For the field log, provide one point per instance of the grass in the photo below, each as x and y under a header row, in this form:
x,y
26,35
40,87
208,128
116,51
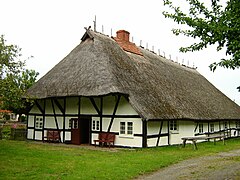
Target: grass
x,y
21,160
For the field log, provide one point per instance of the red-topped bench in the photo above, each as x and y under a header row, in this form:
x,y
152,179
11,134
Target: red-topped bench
x,y
53,136
105,138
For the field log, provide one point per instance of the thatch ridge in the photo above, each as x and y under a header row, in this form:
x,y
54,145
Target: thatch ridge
x,y
157,88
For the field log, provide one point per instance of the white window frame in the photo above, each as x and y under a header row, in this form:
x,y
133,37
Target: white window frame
x,y
200,128
39,123
174,126
122,128
129,128
96,125
126,128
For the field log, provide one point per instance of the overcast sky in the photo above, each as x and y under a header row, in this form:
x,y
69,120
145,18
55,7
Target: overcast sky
x,y
50,29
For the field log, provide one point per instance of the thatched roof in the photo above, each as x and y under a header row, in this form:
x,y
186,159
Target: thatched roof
x,y
157,88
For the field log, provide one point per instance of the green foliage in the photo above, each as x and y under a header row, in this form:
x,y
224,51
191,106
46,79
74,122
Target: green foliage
x,y
49,161
6,132
13,87
9,58
15,80
214,25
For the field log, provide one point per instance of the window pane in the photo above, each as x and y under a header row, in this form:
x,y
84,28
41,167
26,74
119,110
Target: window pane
x,y
93,125
122,127
75,124
130,128
39,123
97,128
173,125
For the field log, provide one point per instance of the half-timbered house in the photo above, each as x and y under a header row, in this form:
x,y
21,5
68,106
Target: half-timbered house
x,y
108,84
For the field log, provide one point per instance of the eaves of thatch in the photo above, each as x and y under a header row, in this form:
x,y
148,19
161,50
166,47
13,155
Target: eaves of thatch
x,y
157,88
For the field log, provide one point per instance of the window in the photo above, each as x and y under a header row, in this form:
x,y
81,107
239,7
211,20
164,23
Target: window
x,y
130,128
126,128
211,127
122,127
95,125
39,123
200,128
173,125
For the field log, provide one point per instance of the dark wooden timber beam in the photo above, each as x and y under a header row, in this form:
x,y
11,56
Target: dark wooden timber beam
x,y
144,133
79,107
64,118
95,106
59,106
101,112
159,134
114,112
208,128
44,111
39,106
168,133
34,127
196,127
55,118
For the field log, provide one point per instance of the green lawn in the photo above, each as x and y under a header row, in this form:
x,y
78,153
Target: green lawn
x,y
27,160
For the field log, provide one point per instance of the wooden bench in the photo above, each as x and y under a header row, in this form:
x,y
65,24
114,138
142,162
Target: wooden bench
x,y
53,136
195,139
105,138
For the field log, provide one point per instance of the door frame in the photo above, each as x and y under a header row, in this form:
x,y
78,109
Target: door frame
x,y
81,130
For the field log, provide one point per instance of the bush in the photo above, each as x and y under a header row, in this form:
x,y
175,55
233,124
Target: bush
x,y
14,131
6,132
18,134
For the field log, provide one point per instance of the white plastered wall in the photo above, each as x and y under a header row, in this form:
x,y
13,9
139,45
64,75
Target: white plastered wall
x,y
86,108
124,108
153,128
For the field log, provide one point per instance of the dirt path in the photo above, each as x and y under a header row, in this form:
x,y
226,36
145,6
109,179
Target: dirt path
x,y
222,166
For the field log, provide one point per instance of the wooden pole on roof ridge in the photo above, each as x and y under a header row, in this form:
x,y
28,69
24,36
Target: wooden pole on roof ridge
x,y
95,23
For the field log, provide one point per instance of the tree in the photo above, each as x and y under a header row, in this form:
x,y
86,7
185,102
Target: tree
x,y
210,25
14,78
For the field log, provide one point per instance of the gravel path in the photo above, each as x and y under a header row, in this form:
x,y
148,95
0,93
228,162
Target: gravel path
x,y
222,166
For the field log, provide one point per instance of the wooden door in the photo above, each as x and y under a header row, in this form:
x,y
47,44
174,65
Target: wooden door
x,y
75,132
80,132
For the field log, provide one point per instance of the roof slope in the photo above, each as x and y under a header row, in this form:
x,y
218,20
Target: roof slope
x,y
157,88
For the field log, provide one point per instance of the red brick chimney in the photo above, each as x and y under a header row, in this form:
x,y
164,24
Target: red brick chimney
x,y
123,41
123,35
